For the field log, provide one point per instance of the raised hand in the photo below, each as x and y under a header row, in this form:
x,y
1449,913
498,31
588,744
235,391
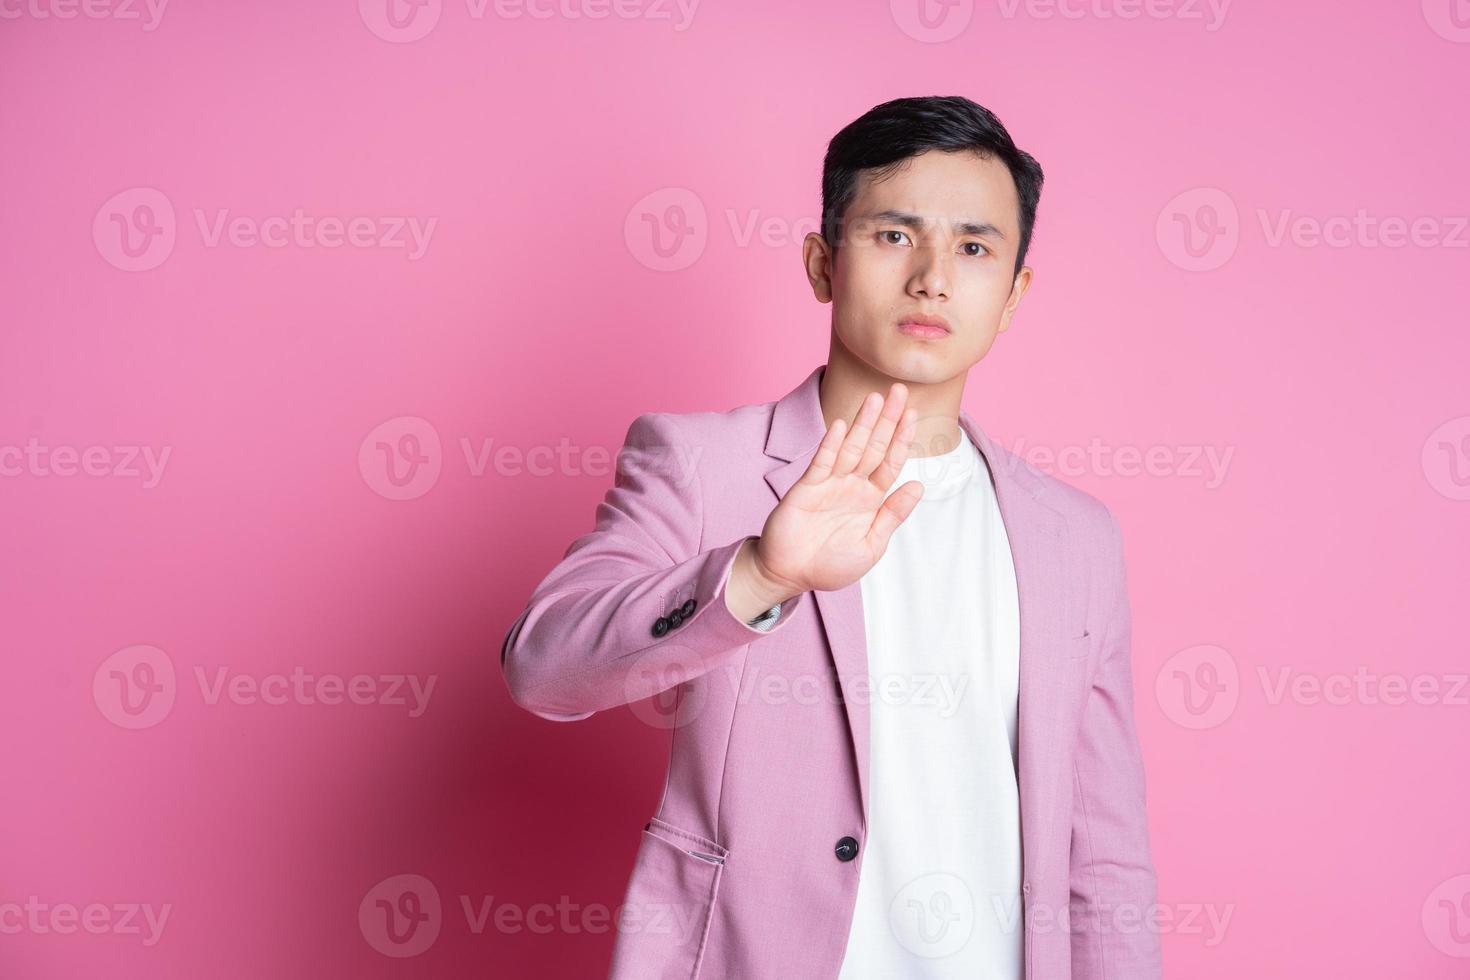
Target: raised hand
x,y
834,523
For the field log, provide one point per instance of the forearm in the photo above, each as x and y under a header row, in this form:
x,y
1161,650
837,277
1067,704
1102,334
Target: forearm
x,y
584,643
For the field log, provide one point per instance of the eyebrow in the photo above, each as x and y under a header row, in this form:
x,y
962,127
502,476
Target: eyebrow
x,y
905,218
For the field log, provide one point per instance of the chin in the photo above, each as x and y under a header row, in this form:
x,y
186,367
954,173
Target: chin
x,y
920,367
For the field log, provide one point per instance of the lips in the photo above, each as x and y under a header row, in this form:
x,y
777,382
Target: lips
x,y
923,320
924,326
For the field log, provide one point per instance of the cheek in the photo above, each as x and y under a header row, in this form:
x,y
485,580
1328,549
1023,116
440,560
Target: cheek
x,y
989,293
979,344
863,284
870,262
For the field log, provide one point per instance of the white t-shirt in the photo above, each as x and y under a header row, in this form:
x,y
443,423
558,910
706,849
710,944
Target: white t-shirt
x,y
940,889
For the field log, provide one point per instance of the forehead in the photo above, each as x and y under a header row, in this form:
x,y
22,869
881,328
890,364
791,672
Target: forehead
x,y
957,186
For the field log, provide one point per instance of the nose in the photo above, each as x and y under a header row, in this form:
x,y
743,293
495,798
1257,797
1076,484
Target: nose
x,y
931,278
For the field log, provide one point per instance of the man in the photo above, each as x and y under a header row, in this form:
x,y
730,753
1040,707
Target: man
x,y
903,740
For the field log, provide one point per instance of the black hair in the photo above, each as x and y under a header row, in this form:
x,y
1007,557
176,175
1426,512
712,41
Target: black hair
x,y
888,134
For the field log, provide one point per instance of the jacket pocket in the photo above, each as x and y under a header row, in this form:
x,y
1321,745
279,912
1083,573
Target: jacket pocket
x,y
665,919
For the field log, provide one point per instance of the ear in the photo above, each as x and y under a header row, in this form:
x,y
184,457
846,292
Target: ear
x,y
818,258
1018,289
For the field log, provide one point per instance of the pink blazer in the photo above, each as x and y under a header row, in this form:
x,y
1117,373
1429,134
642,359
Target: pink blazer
x,y
749,868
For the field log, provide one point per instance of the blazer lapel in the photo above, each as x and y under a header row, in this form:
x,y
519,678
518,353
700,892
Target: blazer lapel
x,y
797,427
1036,533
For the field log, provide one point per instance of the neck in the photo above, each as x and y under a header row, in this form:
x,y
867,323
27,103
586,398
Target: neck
x,y
846,381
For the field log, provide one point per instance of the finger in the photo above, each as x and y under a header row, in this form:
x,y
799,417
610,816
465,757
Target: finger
x,y
898,451
821,464
895,510
888,420
857,439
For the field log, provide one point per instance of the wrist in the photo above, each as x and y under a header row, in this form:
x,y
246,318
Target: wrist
x,y
767,587
749,591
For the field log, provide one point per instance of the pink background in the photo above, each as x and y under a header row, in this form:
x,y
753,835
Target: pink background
x,y
1332,835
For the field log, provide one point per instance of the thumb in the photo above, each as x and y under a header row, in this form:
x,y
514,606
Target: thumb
x,y
895,511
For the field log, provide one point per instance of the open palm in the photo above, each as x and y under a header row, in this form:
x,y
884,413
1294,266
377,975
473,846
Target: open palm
x,y
834,523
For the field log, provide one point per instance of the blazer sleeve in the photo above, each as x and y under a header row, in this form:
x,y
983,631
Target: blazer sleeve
x,y
1113,913
590,636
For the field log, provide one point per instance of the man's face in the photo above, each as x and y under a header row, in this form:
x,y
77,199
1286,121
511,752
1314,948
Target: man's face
x,y
937,237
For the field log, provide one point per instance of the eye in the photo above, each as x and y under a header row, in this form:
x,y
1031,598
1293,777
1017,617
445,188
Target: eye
x,y
885,234
982,250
